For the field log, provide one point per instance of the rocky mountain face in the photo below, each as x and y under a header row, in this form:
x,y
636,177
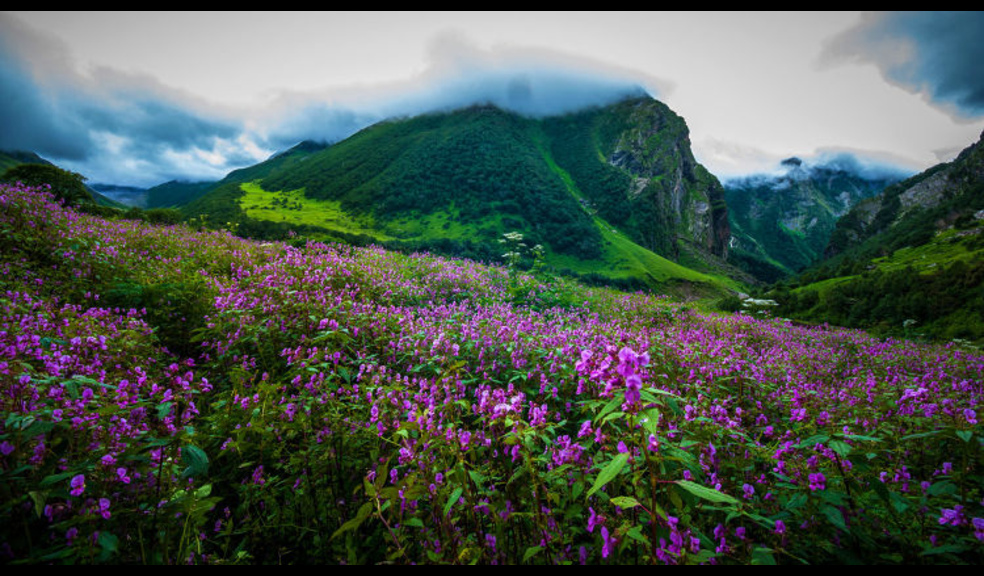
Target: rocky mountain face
x,y
912,210
656,151
651,188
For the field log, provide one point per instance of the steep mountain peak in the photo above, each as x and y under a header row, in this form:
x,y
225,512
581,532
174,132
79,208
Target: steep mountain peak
x,y
791,162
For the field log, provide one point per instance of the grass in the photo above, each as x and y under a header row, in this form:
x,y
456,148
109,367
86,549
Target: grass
x,y
947,247
294,207
622,258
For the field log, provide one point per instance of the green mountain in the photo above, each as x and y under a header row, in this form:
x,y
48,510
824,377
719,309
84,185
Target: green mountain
x,y
781,223
10,159
124,195
176,193
610,193
908,261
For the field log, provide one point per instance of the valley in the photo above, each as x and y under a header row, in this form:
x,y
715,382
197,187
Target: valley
x,y
479,338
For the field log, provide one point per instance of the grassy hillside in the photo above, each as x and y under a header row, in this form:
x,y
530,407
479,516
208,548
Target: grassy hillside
x,y
172,397
934,290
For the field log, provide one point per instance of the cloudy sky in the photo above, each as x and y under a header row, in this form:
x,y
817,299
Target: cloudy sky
x,y
142,98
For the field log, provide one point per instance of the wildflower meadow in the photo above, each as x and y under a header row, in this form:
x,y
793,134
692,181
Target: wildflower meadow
x,y
173,395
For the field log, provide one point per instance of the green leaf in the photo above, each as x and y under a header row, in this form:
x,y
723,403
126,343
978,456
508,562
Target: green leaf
x,y
763,557
609,472
624,502
944,549
612,405
650,420
354,523
109,544
38,498
706,493
813,441
452,499
835,517
55,478
636,534
196,461
843,449
531,552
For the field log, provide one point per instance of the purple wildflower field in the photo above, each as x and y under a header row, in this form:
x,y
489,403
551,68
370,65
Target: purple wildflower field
x,y
180,396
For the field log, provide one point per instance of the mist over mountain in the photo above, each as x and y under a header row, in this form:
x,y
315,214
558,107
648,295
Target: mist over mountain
x,y
907,261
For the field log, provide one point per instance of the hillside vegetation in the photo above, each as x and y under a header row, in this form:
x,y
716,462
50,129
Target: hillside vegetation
x,y
908,261
172,395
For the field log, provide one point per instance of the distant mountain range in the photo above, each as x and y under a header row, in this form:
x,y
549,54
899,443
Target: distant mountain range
x,y
781,223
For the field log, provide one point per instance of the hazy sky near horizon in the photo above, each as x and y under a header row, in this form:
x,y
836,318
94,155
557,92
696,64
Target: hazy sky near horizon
x,y
140,98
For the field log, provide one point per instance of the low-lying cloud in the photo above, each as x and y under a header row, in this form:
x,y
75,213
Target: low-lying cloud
x,y
533,83
128,129
936,54
822,164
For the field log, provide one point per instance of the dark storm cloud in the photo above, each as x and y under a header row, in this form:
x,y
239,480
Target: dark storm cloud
x,y
939,54
31,117
120,127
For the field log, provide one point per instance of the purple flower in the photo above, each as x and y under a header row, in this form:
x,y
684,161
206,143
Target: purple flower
x,y
6,448
593,519
78,485
978,524
653,443
953,517
258,476
104,508
970,415
817,481
780,527
749,491
585,429
608,542
582,365
633,385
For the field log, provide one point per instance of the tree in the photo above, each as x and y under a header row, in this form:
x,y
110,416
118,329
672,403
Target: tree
x,y
65,185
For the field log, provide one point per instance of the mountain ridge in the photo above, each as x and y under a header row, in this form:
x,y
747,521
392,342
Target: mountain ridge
x,y
585,185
